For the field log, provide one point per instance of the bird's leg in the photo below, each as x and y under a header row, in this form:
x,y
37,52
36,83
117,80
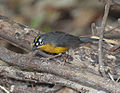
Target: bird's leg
x,y
52,57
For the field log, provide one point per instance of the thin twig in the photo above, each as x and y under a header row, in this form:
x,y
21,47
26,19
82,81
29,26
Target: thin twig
x,y
111,77
119,22
6,91
94,30
103,24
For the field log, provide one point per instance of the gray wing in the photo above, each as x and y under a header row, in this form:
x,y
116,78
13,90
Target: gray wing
x,y
61,39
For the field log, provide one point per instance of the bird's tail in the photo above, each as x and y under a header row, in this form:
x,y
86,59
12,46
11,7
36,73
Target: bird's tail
x,y
86,40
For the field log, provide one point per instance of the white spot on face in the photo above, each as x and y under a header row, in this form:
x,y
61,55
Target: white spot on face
x,y
37,44
41,41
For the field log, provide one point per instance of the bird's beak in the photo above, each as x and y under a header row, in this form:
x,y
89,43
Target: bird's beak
x,y
34,48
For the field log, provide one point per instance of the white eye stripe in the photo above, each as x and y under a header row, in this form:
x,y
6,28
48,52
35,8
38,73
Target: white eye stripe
x,y
41,41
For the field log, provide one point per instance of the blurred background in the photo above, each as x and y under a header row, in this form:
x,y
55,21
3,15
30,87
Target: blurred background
x,y
71,16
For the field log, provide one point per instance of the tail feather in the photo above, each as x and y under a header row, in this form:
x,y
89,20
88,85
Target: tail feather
x,y
83,39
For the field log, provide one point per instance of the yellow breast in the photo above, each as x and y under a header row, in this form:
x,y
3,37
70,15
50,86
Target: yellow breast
x,y
53,49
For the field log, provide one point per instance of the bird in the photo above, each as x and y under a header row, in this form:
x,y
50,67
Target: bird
x,y
58,42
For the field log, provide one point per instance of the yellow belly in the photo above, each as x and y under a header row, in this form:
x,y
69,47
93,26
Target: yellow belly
x,y
52,49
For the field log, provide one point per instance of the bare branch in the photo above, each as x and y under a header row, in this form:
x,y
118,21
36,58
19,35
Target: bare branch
x,y
6,91
40,78
64,71
94,30
103,24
